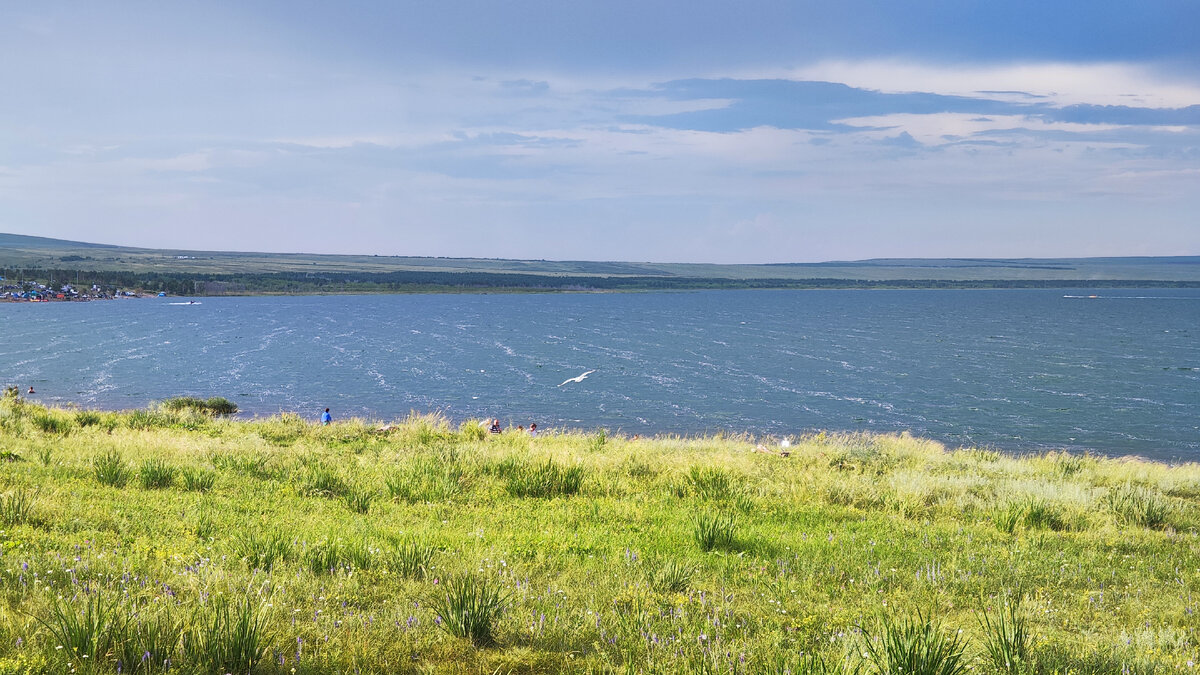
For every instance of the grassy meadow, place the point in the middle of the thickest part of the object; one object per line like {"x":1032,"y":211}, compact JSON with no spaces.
{"x":169,"y":540}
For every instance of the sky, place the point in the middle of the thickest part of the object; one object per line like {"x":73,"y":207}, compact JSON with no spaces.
{"x":698,"y":131}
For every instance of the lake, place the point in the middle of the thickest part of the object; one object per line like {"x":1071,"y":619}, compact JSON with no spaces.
{"x":1022,"y":370}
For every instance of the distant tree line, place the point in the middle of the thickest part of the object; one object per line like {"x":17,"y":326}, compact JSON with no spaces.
{"x":424,"y":281}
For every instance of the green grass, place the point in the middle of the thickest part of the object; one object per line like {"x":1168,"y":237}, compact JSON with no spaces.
{"x":428,"y":547}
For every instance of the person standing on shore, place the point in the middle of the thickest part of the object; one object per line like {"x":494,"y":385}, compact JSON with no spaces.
{"x":326,"y":418}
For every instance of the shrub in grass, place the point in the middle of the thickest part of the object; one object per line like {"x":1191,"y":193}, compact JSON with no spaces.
{"x":914,"y":646}
{"x":17,"y":506}
{"x":45,"y":455}
{"x":711,"y":482}
{"x":672,"y":576}
{"x":264,"y":550}
{"x":87,"y":631}
{"x":198,"y":480}
{"x":157,"y":474}
{"x":111,"y":469}
{"x":470,"y":608}
{"x":411,"y":558}
{"x":543,"y":480}
{"x":216,"y":405}
{"x":229,"y":639}
{"x":715,"y":531}
{"x":358,"y":498}
{"x":1007,"y":641}
{"x":1138,"y":505}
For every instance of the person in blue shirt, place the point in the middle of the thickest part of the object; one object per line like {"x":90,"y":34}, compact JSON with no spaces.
{"x":326,"y":418}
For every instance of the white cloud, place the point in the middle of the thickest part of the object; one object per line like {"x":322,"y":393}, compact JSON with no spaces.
{"x":934,"y":128}
{"x":1059,"y":83}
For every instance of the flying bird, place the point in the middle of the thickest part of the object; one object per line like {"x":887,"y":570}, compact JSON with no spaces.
{"x":578,"y":378}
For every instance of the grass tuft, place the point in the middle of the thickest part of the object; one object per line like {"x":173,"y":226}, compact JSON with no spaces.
{"x":110,"y":469}
{"x":198,"y":480}
{"x":230,"y":639}
{"x":1136,"y":505}
{"x":263,"y":551}
{"x":16,"y":507}
{"x":915,"y":646}
{"x":216,"y":405}
{"x":157,"y":474}
{"x":470,"y":608}
{"x":545,"y":480}
{"x":1007,"y":641}
{"x":715,"y":531}
{"x":411,"y":558}
{"x":673,"y":576}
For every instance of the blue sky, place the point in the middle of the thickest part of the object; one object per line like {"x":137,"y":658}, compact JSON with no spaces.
{"x":666,"y":131}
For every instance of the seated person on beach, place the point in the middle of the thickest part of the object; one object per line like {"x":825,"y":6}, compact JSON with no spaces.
{"x":495,"y":428}
{"x":533,"y":429}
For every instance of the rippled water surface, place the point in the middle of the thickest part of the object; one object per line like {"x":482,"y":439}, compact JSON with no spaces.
{"x":1015,"y":369}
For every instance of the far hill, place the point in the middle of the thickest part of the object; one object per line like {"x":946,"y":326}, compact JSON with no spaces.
{"x":186,"y":271}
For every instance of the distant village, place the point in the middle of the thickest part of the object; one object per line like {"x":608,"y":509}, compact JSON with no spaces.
{"x":32,"y":291}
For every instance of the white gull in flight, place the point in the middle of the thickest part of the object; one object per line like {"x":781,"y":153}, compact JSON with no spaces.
{"x":578,"y":378}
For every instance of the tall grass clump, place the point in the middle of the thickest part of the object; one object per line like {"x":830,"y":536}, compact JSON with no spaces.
{"x":144,"y":420}
{"x":470,"y":608}
{"x":324,"y":481}
{"x":217,"y":405}
{"x":50,"y":423}
{"x":672,"y":576}
{"x":198,"y":480}
{"x":264,"y":551}
{"x":335,"y":555}
{"x":87,"y":632}
{"x":472,"y":430}
{"x":1137,"y":505}
{"x":230,"y":639}
{"x":87,"y":418}
{"x":547,"y":479}
{"x":16,"y":507}
{"x":283,"y":430}
{"x":151,"y":645}
{"x":1007,"y":640}
{"x":411,"y":558}
{"x":426,"y":480}
{"x":714,"y":531}
{"x":711,"y":482}
{"x":914,"y":646}
{"x":359,"y":498}
{"x":157,"y":474}
{"x":110,"y":469}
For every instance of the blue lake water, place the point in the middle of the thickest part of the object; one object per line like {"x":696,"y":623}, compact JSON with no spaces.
{"x":1012,"y":369}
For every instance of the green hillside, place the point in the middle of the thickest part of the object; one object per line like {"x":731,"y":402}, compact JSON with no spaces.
{"x":180,"y":270}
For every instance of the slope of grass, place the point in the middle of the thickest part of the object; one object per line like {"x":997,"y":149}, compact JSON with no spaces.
{"x":923,"y":551}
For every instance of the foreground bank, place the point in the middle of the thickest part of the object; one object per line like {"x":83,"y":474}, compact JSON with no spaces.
{"x":154,"y":540}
